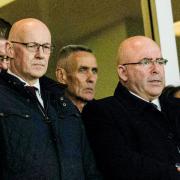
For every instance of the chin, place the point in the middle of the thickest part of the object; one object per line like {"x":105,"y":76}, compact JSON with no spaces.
{"x":88,"y":98}
{"x":38,"y":74}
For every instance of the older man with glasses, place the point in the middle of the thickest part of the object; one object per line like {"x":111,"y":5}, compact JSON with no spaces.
{"x":130,"y":137}
{"x":41,"y":135}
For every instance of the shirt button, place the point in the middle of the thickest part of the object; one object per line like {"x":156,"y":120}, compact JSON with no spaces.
{"x":27,"y":115}
{"x":61,"y":98}
{"x":47,"y":119}
{"x":1,"y":114}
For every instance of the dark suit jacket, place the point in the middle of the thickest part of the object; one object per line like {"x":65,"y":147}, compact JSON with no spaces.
{"x":41,"y":143}
{"x":130,"y":138}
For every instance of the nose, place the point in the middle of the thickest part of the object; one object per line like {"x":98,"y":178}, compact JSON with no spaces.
{"x":155,"y":67}
{"x":92,"y":77}
{"x":40,"y":52}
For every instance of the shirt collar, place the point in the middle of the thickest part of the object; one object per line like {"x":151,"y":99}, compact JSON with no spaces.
{"x":155,"y":101}
{"x":36,"y":85}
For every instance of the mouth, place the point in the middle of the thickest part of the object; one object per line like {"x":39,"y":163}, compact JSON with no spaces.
{"x":90,"y":90}
{"x":39,"y":65}
{"x":156,"y":82}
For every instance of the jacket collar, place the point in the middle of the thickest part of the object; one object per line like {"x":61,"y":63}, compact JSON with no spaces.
{"x":132,"y":102}
{"x":46,"y":84}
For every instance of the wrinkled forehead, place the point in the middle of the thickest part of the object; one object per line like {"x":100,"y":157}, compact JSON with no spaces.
{"x":80,"y":59}
{"x":83,"y":58}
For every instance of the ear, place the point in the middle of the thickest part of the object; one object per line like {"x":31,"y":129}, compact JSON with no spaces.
{"x":122,"y":72}
{"x":61,"y":75}
{"x":9,"y":49}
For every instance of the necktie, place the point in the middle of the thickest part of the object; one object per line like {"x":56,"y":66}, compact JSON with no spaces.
{"x":154,"y":105}
{"x":32,"y":90}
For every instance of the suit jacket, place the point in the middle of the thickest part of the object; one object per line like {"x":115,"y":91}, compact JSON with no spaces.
{"x":130,"y":138}
{"x":41,"y":143}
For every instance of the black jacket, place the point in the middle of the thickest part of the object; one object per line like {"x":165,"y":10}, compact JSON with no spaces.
{"x":130,"y":138}
{"x":170,"y":106}
{"x":37,"y":143}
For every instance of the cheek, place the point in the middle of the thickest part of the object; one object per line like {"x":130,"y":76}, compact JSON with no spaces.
{"x":73,"y":83}
{"x":136,"y":75}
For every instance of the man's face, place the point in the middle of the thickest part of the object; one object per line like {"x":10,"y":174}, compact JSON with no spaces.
{"x":31,"y":65}
{"x":4,"y":63}
{"x":82,"y":78}
{"x":145,"y":81}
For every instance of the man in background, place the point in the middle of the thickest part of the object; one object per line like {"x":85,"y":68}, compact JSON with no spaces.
{"x":77,"y":68}
{"x":4,"y":32}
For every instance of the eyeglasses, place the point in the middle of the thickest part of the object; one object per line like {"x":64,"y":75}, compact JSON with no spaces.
{"x":146,"y":62}
{"x":4,"y":58}
{"x":34,"y":47}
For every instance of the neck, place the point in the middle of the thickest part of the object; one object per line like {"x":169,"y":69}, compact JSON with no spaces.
{"x":25,"y":80}
{"x":78,"y":102}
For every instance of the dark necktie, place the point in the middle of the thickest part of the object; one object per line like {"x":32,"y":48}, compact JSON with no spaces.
{"x":32,"y":90}
{"x":154,"y":105}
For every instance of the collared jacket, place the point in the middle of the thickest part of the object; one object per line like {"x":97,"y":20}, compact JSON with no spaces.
{"x":39,"y":143}
{"x":130,"y":138}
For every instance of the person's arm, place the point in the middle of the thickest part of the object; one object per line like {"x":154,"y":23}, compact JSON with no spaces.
{"x":115,"y":159}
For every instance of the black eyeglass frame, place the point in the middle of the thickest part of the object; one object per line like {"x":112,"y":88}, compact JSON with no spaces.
{"x":148,"y":61}
{"x":37,"y":44}
{"x":4,"y":57}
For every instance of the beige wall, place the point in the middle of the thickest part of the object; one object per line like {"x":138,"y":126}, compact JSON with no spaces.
{"x":105,"y":44}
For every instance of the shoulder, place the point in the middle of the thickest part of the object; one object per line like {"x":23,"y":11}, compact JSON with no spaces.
{"x":98,"y":104}
{"x":102,"y":110}
{"x":106,"y":104}
{"x":52,"y":86}
{"x":170,"y":95}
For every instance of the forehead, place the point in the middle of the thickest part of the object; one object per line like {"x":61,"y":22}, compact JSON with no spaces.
{"x":82,"y":58}
{"x":150,"y":50}
{"x":39,"y":34}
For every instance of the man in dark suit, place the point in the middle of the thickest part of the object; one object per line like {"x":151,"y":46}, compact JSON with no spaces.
{"x":41,"y":134}
{"x":130,"y":137}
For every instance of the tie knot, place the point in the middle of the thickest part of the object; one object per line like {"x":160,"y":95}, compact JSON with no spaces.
{"x":31,"y":89}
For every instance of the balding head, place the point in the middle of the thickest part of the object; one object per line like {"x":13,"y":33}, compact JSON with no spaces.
{"x":28,"y":27}
{"x":135,"y":46}
{"x":29,"y":47}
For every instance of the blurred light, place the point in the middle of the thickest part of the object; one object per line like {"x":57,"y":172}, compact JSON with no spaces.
{"x":177,"y":28}
{"x":5,"y":2}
